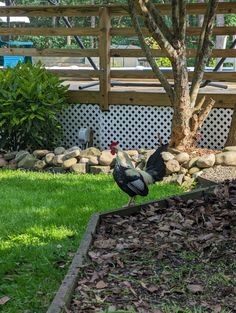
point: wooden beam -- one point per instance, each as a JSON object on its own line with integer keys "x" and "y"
{"x": 104, "y": 52}
{"x": 190, "y": 31}
{"x": 48, "y": 31}
{"x": 148, "y": 74}
{"x": 131, "y": 53}
{"x": 50, "y": 52}
{"x": 75, "y": 73}
{"x": 93, "y": 10}
{"x": 144, "y": 98}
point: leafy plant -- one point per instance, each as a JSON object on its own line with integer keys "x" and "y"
{"x": 30, "y": 100}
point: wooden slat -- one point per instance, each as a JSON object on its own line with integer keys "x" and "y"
{"x": 104, "y": 52}
{"x": 219, "y": 53}
{"x": 75, "y": 73}
{"x": 147, "y": 74}
{"x": 191, "y": 31}
{"x": 48, "y": 31}
{"x": 144, "y": 98}
{"x": 92, "y": 10}
{"x": 50, "y": 52}
{"x": 132, "y": 53}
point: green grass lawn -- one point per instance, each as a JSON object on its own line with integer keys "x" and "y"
{"x": 43, "y": 217}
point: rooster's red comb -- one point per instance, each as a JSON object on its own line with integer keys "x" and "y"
{"x": 113, "y": 144}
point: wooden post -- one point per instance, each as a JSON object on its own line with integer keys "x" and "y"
{"x": 104, "y": 54}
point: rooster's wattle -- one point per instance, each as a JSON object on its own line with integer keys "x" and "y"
{"x": 134, "y": 181}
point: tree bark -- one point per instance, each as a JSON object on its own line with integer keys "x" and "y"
{"x": 231, "y": 139}
{"x": 189, "y": 114}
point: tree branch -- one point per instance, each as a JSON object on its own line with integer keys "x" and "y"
{"x": 182, "y": 19}
{"x": 175, "y": 18}
{"x": 204, "y": 50}
{"x": 199, "y": 117}
{"x": 148, "y": 52}
{"x": 156, "y": 16}
{"x": 156, "y": 25}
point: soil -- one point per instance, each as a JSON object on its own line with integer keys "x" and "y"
{"x": 175, "y": 259}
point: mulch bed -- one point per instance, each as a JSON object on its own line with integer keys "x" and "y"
{"x": 164, "y": 259}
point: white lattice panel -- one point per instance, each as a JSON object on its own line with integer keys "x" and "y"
{"x": 137, "y": 126}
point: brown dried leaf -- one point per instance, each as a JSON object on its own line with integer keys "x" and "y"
{"x": 4, "y": 300}
{"x": 216, "y": 308}
{"x": 104, "y": 244}
{"x": 195, "y": 288}
{"x": 101, "y": 284}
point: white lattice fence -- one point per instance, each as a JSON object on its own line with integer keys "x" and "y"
{"x": 137, "y": 126}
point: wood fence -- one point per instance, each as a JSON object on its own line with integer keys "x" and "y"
{"x": 105, "y": 95}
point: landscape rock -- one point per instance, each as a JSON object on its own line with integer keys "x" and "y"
{"x": 132, "y": 153}
{"x": 227, "y": 158}
{"x": 182, "y": 157}
{"x": 57, "y": 159}
{"x": 12, "y": 164}
{"x": 193, "y": 170}
{"x": 91, "y": 152}
{"x": 40, "y": 153}
{"x": 27, "y": 162}
{"x": 68, "y": 163}
{"x": 40, "y": 164}
{"x": 72, "y": 149}
{"x": 79, "y": 168}
{"x": 3, "y": 162}
{"x": 10, "y": 155}
{"x": 206, "y": 161}
{"x": 97, "y": 169}
{"x": 106, "y": 158}
{"x": 172, "y": 166}
{"x": 93, "y": 160}
{"x": 20, "y": 155}
{"x": 49, "y": 158}
{"x": 83, "y": 160}
{"x": 167, "y": 156}
{"x": 192, "y": 162}
{"x": 71, "y": 154}
{"x": 230, "y": 148}
{"x": 180, "y": 179}
{"x": 59, "y": 150}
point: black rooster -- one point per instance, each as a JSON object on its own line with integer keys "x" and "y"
{"x": 134, "y": 181}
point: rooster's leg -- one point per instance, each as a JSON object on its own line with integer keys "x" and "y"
{"x": 131, "y": 201}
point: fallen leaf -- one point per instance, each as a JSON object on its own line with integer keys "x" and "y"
{"x": 101, "y": 285}
{"x": 195, "y": 288}
{"x": 216, "y": 308}
{"x": 4, "y": 300}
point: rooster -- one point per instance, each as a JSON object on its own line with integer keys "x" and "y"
{"x": 134, "y": 181}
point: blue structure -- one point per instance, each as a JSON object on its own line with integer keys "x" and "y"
{"x": 11, "y": 61}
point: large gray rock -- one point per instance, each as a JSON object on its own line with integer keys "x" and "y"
{"x": 40, "y": 153}
{"x": 206, "y": 161}
{"x": 227, "y": 158}
{"x": 10, "y": 155}
{"x": 182, "y": 157}
{"x": 21, "y": 154}
{"x": 106, "y": 158}
{"x": 90, "y": 152}
{"x": 83, "y": 160}
{"x": 49, "y": 158}
{"x": 96, "y": 169}
{"x": 172, "y": 166}
{"x": 71, "y": 154}
{"x": 59, "y": 150}
{"x": 167, "y": 156}
{"x": 79, "y": 168}
{"x": 68, "y": 163}
{"x": 27, "y": 162}
{"x": 72, "y": 149}
{"x": 3, "y": 162}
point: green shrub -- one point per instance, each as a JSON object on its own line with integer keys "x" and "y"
{"x": 30, "y": 99}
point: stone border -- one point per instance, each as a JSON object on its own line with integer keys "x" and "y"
{"x": 65, "y": 292}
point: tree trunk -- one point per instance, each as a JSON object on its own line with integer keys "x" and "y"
{"x": 231, "y": 139}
